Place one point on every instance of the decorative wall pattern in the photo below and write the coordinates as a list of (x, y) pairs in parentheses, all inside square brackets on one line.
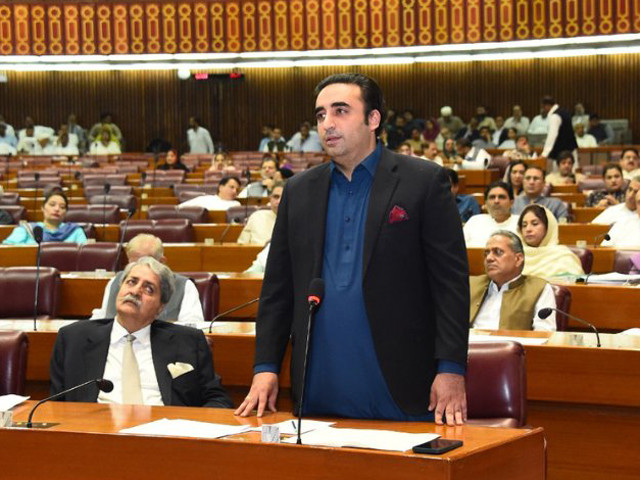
[(129, 27)]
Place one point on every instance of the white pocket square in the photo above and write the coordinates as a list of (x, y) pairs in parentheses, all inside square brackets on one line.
[(179, 368)]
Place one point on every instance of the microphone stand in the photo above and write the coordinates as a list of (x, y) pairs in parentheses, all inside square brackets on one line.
[(132, 211), (106, 188), (37, 235), (231, 310)]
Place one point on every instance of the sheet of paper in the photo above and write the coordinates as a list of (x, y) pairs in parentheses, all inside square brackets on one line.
[(631, 331), (7, 402), (612, 278), (364, 438), (474, 337), (290, 427), (185, 428)]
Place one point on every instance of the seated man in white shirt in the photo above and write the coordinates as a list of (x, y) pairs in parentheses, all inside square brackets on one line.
[(148, 362), (626, 233), (223, 200), (623, 210), (470, 157), (504, 298), (260, 224), (498, 199), (184, 306)]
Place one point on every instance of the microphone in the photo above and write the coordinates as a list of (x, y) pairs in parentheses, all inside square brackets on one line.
[(132, 212), (37, 236), (231, 310), (316, 294), (545, 312), (598, 238), (103, 384), (107, 188)]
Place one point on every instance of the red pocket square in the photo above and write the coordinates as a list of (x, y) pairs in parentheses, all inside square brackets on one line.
[(398, 214)]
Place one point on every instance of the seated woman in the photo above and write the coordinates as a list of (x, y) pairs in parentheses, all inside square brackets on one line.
[(514, 176), (172, 162), (614, 192), (222, 162), (54, 228), (543, 257)]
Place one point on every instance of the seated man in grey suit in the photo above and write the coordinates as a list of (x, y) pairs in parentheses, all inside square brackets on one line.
[(149, 361), (184, 306)]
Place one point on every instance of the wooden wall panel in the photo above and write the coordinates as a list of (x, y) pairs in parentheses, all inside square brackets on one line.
[(135, 26), (150, 103)]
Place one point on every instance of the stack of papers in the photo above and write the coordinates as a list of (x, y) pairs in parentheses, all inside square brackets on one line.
[(613, 278), (7, 402), (290, 427), (364, 438), (186, 428)]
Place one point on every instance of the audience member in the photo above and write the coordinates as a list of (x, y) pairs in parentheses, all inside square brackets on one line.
[(613, 193), (514, 176), (484, 140), (484, 120), (626, 233), (431, 153), (449, 121), (267, 135), (498, 136), (629, 162), (10, 130), (509, 143), (415, 141), (449, 149), (149, 361), (222, 162), (560, 136), (406, 149), (277, 143), (544, 257), (517, 121), (580, 116), (412, 122), (564, 175), (305, 140), (584, 140), (602, 132), (622, 211), (467, 205), (431, 130), (27, 142), (504, 298), (539, 124), (199, 138), (498, 199), (533, 187), (172, 161), (225, 198), (38, 130), (63, 146), (106, 120), (260, 224), (262, 188), (469, 132), (259, 265), (55, 229), (522, 150), (184, 305), (8, 141), (105, 145), (80, 133), (470, 157)]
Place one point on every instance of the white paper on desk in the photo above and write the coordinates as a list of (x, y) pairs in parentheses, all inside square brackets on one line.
[(364, 438), (185, 428), (475, 337), (289, 427), (631, 331), (7, 402), (612, 278)]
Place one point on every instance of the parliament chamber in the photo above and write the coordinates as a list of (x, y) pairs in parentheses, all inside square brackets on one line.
[(235, 67)]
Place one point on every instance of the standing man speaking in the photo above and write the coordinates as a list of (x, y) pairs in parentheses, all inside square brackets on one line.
[(390, 339)]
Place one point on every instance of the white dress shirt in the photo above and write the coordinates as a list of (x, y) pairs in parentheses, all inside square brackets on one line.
[(481, 161), (113, 369), (210, 202), (488, 316), (539, 125), (613, 214), (98, 148), (259, 228), (479, 228), (190, 308), (624, 234), (311, 144), (552, 132), (586, 141), (199, 140), (522, 125)]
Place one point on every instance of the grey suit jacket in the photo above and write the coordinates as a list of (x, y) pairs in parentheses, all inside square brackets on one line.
[(80, 355)]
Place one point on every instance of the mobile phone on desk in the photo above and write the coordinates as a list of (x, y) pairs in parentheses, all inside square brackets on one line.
[(437, 446)]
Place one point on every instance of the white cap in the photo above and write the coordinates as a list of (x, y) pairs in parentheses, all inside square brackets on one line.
[(446, 111)]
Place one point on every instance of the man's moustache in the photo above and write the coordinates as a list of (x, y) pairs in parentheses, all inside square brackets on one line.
[(131, 298)]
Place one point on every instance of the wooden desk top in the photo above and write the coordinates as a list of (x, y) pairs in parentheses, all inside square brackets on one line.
[(87, 440)]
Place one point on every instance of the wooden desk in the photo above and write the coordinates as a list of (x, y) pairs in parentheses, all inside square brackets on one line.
[(586, 214), (571, 233), (86, 444), (181, 257), (477, 180)]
